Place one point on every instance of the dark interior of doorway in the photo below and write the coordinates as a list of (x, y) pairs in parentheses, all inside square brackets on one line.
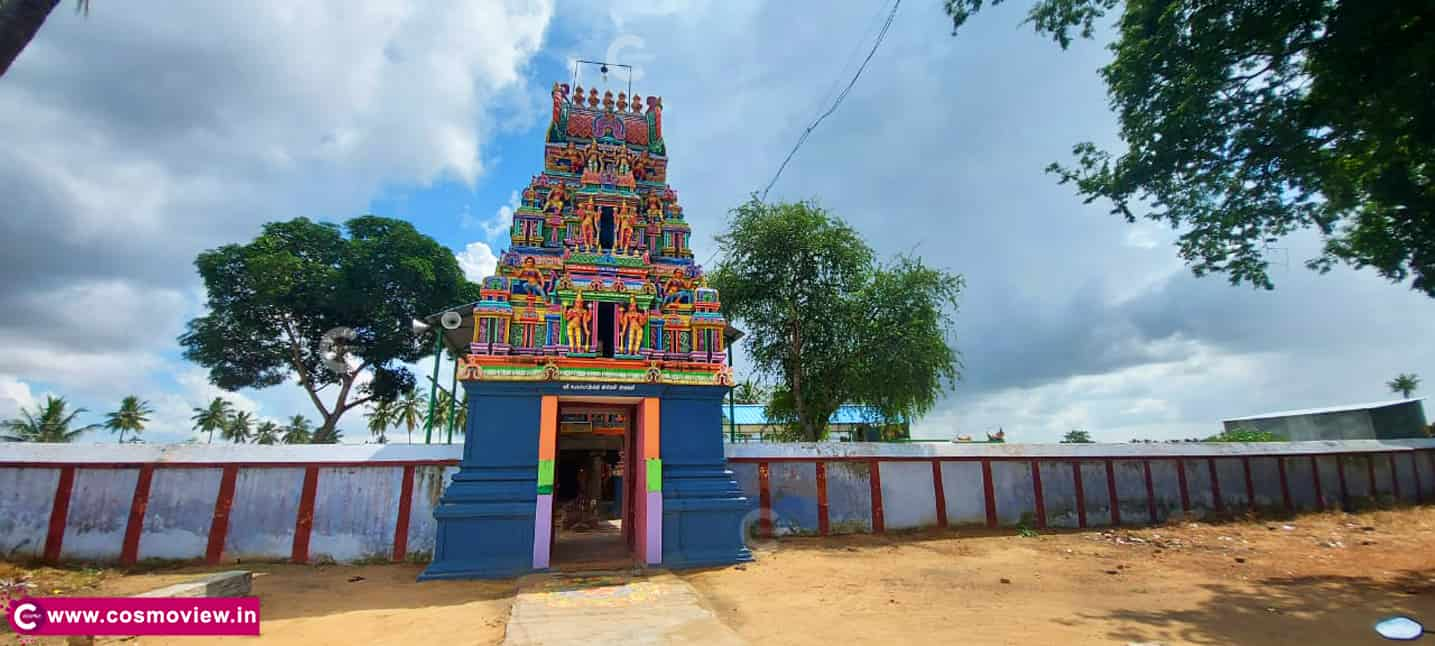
[(607, 315), (605, 228), (588, 527)]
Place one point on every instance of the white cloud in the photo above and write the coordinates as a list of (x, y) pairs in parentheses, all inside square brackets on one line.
[(495, 229), (477, 261), (14, 395)]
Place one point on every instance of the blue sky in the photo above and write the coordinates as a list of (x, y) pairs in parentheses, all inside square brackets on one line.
[(157, 131)]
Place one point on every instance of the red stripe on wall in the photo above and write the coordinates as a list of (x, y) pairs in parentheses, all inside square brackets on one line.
[(1344, 490), (129, 553), (990, 492), (219, 524), (879, 523), (406, 505), (1315, 473), (1219, 504), (764, 497), (940, 493), (1038, 494), (1285, 485), (59, 512), (304, 520), (1150, 492), (1181, 482), (1394, 477), (822, 527), (1080, 495), (1111, 498)]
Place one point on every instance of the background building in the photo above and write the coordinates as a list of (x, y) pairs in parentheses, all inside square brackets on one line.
[(849, 424), (1403, 418)]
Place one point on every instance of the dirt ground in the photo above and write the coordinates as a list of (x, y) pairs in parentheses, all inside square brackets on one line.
[(1316, 579)]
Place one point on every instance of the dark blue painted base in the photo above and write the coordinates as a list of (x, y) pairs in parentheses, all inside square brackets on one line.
[(486, 515)]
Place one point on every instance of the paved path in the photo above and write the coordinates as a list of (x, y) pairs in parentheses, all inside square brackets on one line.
[(612, 607)]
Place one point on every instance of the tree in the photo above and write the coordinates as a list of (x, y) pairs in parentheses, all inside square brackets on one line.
[(1076, 436), (239, 427), (748, 392), (409, 413), (20, 20), (213, 418), (1404, 383), (1245, 434), (49, 422), (828, 321), (298, 430), (266, 433), (381, 417), (131, 417), (1246, 121), (272, 301), (326, 436)]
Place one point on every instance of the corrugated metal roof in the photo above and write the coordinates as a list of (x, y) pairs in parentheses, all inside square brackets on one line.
[(752, 415), (1328, 409)]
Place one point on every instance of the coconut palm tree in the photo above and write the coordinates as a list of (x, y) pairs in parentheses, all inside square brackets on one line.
[(266, 433), (1404, 383), (409, 413), (298, 430), (212, 418), (239, 427), (326, 436), (49, 422), (132, 416), (19, 22), (381, 417)]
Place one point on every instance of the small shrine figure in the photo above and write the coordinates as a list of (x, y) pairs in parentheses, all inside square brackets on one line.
[(558, 98), (655, 207), (677, 286), (574, 158), (655, 108), (627, 218), (530, 196), (554, 203), (595, 162), (608, 100), (634, 321), (577, 317), (588, 226), (531, 279)]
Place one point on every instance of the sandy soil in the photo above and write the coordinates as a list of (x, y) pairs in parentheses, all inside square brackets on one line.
[(1320, 579)]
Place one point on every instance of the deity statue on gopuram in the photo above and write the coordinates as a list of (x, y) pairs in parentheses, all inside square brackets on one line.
[(598, 282)]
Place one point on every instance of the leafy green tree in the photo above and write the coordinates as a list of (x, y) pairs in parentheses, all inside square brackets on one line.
[(214, 417), (326, 436), (1404, 383), (381, 417), (131, 417), (832, 324), (1244, 121), (298, 430), (409, 412), (266, 433), (1076, 436), (748, 392), (239, 428), (272, 301), (1245, 434), (49, 422)]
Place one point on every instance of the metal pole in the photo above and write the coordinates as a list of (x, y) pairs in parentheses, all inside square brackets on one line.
[(731, 408), (452, 401), (433, 385)]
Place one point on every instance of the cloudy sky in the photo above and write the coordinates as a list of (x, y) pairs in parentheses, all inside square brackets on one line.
[(141, 135)]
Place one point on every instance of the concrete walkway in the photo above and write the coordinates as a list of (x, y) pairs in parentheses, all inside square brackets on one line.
[(612, 607)]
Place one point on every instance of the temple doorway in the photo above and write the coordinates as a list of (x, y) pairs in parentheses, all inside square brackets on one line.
[(607, 328), (606, 228), (589, 495)]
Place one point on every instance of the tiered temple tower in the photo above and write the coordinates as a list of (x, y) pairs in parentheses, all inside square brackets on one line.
[(597, 302)]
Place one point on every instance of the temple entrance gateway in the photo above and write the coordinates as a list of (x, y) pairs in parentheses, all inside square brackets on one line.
[(595, 369), (588, 488)]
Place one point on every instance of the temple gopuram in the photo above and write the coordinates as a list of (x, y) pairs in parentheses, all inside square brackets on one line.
[(595, 367)]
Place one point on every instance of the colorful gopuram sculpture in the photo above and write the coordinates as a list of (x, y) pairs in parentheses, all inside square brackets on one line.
[(598, 283)]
